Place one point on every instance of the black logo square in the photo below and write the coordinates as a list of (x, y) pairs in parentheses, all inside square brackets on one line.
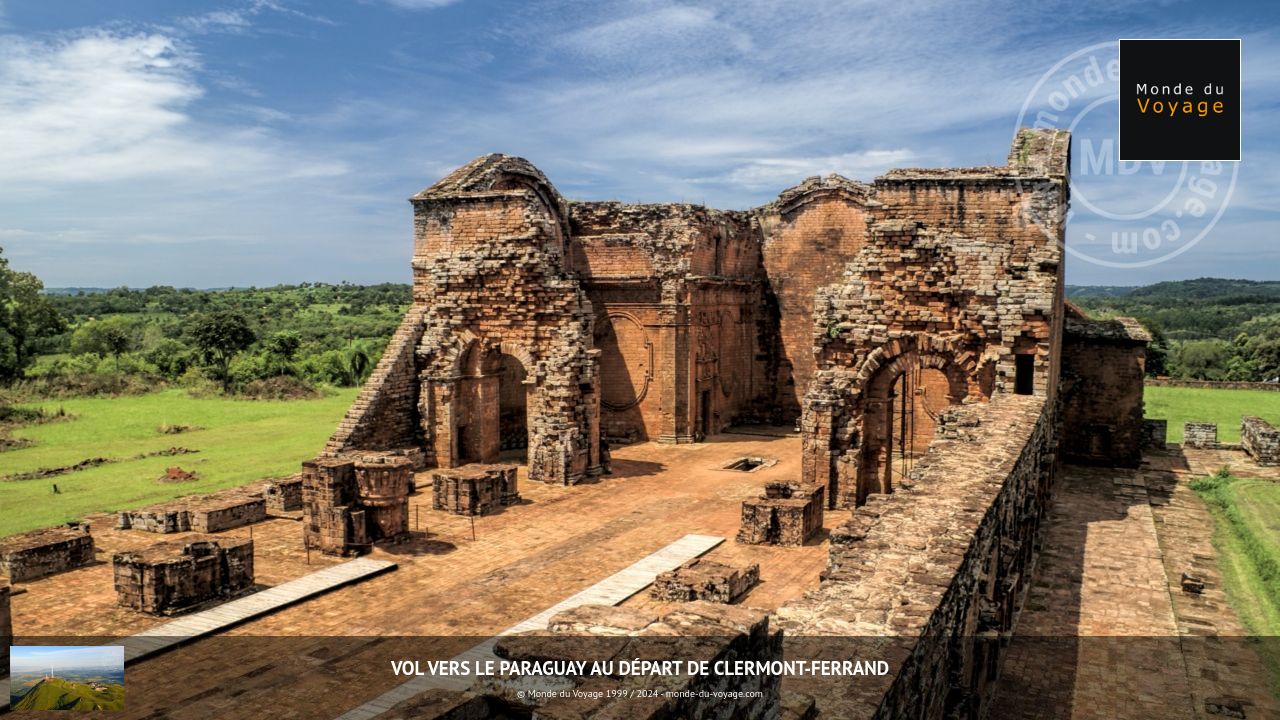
[(1179, 99)]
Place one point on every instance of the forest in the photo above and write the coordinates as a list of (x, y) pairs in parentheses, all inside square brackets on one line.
[(1204, 329)]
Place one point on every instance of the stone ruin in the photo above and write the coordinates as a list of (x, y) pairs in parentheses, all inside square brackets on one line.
[(33, 555), (216, 512), (353, 501), (1155, 433), (1260, 440), (540, 325), (702, 579), (788, 513), (284, 494), (474, 489), (1103, 425), (696, 631), (1200, 435), (177, 575)]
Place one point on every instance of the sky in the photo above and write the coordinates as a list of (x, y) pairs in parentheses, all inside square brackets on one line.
[(277, 141), (69, 657)]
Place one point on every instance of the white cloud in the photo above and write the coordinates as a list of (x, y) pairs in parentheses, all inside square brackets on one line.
[(103, 107)]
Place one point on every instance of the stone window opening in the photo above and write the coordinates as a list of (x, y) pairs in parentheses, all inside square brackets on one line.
[(1024, 378)]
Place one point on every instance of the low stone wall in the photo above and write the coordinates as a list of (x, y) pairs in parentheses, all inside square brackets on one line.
[(474, 489), (701, 579), (38, 553), (787, 514), (169, 577), (211, 513), (1200, 435), (1218, 384), (227, 513), (1155, 433), (931, 575), (284, 495), (1260, 440)]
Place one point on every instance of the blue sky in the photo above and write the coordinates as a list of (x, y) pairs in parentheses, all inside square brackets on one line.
[(258, 142), (70, 657)]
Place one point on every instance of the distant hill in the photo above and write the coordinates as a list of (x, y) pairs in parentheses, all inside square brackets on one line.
[(1201, 309), (1077, 292), (59, 694)]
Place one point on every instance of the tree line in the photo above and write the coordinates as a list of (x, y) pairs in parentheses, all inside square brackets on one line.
[(288, 337)]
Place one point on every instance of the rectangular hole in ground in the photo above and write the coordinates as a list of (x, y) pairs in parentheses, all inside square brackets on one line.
[(746, 464)]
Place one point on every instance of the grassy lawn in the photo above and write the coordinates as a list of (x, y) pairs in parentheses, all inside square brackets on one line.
[(1225, 407), (239, 441), (1247, 536)]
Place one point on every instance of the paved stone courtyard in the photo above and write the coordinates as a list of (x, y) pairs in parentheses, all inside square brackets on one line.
[(1107, 631), (448, 590)]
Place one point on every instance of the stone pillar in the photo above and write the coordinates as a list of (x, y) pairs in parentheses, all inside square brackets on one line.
[(383, 487), (674, 373)]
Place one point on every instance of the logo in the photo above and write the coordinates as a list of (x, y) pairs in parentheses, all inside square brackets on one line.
[(1124, 213)]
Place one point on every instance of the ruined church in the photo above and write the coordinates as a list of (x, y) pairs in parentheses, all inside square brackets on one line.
[(858, 313)]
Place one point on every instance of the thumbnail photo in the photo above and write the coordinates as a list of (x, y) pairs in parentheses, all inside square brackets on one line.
[(67, 677)]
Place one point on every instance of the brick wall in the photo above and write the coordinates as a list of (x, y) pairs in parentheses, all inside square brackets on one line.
[(959, 276), (809, 235), (935, 567), (1103, 364), (173, 576), (1200, 435), (6, 626), (38, 553), (1260, 440)]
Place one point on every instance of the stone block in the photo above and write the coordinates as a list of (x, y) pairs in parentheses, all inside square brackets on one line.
[(787, 514), (474, 489), (1200, 435), (701, 579), (35, 554), (173, 576), (1155, 433), (1260, 440), (284, 495)]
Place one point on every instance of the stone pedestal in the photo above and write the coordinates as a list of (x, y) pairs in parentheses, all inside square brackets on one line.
[(284, 495), (173, 576), (34, 554), (701, 579), (474, 489), (1260, 440), (352, 501), (787, 514)]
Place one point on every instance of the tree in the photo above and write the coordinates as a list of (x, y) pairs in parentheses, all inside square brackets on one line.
[(284, 346), (112, 336), (219, 337), (25, 317)]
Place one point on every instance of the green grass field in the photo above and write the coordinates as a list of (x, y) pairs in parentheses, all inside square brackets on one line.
[(239, 441), (1225, 407), (1247, 537)]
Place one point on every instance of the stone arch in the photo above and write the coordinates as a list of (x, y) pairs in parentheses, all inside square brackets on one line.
[(520, 353), (897, 423)]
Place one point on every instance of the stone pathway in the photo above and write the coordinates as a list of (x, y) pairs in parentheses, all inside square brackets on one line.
[(1106, 630), (610, 591)]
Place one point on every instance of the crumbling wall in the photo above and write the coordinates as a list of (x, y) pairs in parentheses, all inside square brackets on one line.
[(173, 576), (1103, 366), (1200, 435), (474, 489), (33, 555), (1260, 440), (284, 494), (959, 277), (224, 510), (809, 234), (936, 570), (384, 415), (489, 264), (677, 291)]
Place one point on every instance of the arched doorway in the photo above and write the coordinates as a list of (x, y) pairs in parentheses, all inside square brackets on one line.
[(900, 418), (513, 409)]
